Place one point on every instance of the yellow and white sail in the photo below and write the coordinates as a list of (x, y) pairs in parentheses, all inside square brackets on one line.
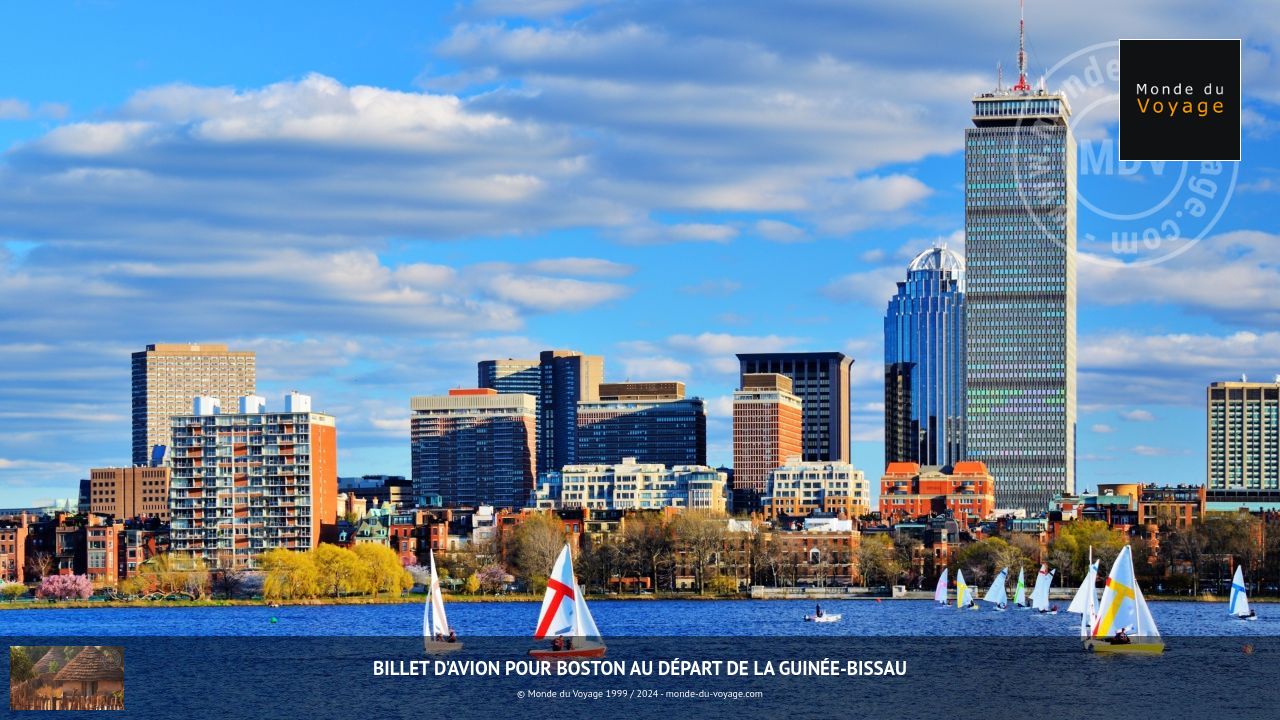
[(1123, 606)]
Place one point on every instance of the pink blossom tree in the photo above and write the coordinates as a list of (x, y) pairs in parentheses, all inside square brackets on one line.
[(65, 587)]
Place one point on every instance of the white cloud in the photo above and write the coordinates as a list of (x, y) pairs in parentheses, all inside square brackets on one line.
[(1138, 415), (1101, 428), (710, 287), (644, 369), (779, 231)]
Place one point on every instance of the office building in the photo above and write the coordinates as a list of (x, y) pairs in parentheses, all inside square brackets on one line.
[(651, 422), (821, 381), (132, 492), (1020, 293), (568, 378), (1176, 507), (1243, 455), (510, 376), (167, 376), (634, 485), (768, 428), (250, 481), (799, 488), (473, 447), (924, 362), (909, 491)]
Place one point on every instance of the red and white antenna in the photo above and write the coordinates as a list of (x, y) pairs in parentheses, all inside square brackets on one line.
[(1022, 85)]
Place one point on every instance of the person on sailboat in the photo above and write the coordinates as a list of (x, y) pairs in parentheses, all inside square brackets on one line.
[(817, 610), (1121, 638), (453, 635), (568, 643), (556, 643)]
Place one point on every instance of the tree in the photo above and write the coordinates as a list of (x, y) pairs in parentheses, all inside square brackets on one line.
[(65, 587), (699, 534), (288, 575), (339, 570), (385, 572), (1069, 551), (40, 564), (20, 665), (723, 585), (876, 560), (12, 591), (174, 574), (472, 585), (535, 544), (984, 559), (646, 546), (491, 578)]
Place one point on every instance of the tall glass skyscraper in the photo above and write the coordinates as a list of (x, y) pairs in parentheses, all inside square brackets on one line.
[(924, 362), (1020, 252)]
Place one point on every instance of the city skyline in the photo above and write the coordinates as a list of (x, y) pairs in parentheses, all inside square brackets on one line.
[(565, 219)]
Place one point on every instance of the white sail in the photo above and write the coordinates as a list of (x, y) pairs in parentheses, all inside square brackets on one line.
[(963, 596), (1020, 595), (1239, 602), (434, 620), (940, 592), (1088, 589), (997, 595), (1123, 606), (584, 624), (564, 606), (1040, 594)]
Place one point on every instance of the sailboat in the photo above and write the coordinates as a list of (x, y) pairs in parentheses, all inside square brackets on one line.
[(1085, 603), (1238, 605), (1040, 593), (1020, 595), (435, 626), (997, 595), (964, 598), (1124, 609), (940, 592), (565, 617)]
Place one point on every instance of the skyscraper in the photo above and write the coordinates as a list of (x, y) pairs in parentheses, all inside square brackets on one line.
[(821, 381), (767, 429), (510, 376), (924, 362), (167, 377), (473, 447), (568, 378), (1243, 445), (650, 422), (1020, 325)]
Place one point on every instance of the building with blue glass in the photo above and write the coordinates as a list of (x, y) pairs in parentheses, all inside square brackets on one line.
[(924, 341)]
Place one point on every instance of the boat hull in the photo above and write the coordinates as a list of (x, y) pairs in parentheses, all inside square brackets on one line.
[(822, 619), (1133, 648), (586, 653), (431, 647)]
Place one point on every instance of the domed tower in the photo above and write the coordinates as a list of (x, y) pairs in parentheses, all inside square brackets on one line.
[(924, 355)]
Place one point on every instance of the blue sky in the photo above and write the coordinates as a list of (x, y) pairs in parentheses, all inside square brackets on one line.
[(373, 198)]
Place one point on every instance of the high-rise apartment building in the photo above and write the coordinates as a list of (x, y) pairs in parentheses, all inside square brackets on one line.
[(167, 376), (924, 362), (650, 422), (768, 427), (131, 492), (568, 378), (473, 447), (510, 376), (1020, 293), (799, 488), (1243, 445), (250, 481), (821, 381), (634, 485)]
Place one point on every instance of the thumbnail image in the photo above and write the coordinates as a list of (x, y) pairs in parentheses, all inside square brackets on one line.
[(66, 677)]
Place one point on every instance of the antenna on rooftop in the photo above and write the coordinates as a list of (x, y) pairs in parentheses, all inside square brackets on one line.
[(1022, 85), (999, 77)]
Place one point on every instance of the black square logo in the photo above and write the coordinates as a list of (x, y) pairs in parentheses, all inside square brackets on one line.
[(1180, 100)]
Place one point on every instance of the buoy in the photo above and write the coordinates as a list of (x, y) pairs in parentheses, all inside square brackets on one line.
[(273, 619), (1247, 648)]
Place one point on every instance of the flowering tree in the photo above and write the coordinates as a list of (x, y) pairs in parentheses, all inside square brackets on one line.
[(65, 587), (492, 578)]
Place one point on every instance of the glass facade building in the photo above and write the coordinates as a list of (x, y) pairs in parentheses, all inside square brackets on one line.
[(1020, 295), (924, 358)]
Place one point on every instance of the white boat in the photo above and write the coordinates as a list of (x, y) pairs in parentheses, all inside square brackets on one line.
[(1238, 605), (435, 626), (1040, 593), (1124, 610), (1020, 595), (997, 595), (964, 596), (1085, 603), (823, 618), (565, 616), (940, 592)]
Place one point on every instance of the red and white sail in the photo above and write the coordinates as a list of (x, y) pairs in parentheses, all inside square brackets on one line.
[(564, 608)]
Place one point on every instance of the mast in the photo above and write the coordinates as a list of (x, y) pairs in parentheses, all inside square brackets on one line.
[(1023, 85)]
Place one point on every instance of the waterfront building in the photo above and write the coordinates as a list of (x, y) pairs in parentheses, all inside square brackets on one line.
[(799, 488), (132, 492), (568, 378), (473, 447), (1020, 293), (1177, 506), (13, 548), (167, 376), (768, 428), (250, 481), (909, 490), (1243, 453), (924, 351), (651, 422), (634, 485), (510, 376), (821, 381)]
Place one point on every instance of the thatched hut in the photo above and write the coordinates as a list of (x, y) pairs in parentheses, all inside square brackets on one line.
[(49, 665), (92, 672)]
